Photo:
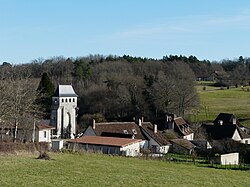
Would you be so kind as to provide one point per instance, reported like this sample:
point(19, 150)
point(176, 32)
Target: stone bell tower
point(63, 111)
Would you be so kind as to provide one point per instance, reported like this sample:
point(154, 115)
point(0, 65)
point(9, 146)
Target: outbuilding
point(106, 145)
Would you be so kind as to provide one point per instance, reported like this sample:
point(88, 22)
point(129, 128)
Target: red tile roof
point(100, 140)
point(41, 127)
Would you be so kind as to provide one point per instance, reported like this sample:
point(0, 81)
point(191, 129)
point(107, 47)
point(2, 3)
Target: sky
point(40, 29)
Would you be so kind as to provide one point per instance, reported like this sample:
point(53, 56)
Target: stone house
point(157, 143)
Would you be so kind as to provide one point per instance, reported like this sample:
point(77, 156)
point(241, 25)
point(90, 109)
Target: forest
point(113, 88)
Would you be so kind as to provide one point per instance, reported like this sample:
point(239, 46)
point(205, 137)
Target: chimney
point(93, 125)
point(140, 122)
point(234, 121)
point(155, 128)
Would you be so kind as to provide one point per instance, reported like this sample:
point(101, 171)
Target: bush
point(44, 156)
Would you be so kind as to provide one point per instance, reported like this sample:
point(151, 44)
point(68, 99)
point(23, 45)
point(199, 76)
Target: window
point(73, 99)
point(44, 134)
point(70, 100)
point(62, 100)
point(246, 141)
point(134, 131)
point(66, 100)
point(125, 131)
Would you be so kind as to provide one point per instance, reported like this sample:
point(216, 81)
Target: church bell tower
point(63, 111)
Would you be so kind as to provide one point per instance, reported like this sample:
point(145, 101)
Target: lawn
point(214, 100)
point(103, 170)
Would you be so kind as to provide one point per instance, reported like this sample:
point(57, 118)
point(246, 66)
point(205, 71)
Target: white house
point(106, 145)
point(180, 127)
point(224, 131)
point(63, 112)
point(117, 129)
point(43, 133)
point(157, 141)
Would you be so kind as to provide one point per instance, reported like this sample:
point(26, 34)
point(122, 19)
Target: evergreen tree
point(46, 89)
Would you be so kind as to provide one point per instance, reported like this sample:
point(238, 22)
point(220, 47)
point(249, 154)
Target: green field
point(215, 100)
point(103, 170)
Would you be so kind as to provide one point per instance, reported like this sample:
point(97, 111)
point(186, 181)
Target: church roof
point(65, 91)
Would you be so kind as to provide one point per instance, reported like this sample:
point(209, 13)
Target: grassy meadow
point(214, 100)
point(102, 170)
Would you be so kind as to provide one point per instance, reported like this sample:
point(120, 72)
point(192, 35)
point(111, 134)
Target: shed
point(43, 133)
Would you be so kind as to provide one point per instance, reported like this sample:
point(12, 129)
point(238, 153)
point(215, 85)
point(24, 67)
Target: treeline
point(121, 88)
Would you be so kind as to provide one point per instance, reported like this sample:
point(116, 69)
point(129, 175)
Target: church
point(63, 112)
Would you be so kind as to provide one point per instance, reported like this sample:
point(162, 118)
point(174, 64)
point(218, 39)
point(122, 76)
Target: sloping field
point(214, 100)
point(103, 170)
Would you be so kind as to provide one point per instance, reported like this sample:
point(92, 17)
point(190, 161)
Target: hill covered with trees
point(123, 88)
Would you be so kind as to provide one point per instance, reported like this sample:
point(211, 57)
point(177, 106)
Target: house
point(106, 145)
point(117, 129)
point(230, 119)
point(180, 127)
point(182, 146)
point(222, 132)
point(226, 119)
point(63, 112)
point(157, 142)
point(43, 133)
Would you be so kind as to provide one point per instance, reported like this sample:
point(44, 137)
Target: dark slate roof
point(100, 140)
point(183, 143)
point(65, 91)
point(158, 137)
point(218, 132)
point(118, 129)
point(182, 127)
point(243, 135)
point(226, 118)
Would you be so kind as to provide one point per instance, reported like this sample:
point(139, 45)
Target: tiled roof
point(183, 143)
point(100, 140)
point(158, 137)
point(182, 127)
point(118, 129)
point(43, 126)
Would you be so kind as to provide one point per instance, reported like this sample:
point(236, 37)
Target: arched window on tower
point(62, 100)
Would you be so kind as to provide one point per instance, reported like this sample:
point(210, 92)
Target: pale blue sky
point(208, 29)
